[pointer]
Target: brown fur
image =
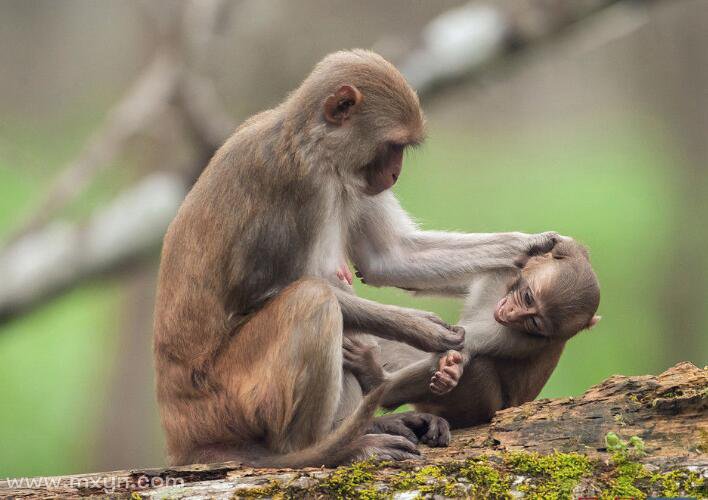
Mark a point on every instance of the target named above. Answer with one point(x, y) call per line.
point(247, 344)
point(249, 314)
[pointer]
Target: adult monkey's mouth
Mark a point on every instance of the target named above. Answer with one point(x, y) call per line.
point(385, 169)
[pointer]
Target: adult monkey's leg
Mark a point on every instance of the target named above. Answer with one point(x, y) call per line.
point(283, 368)
point(282, 376)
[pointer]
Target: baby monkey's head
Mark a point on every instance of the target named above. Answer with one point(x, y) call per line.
point(555, 296)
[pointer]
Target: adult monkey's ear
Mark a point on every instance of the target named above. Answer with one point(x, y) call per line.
point(339, 106)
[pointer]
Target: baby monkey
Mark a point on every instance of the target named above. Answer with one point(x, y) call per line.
point(517, 322)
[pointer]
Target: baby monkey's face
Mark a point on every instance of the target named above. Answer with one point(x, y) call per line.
point(555, 295)
point(522, 308)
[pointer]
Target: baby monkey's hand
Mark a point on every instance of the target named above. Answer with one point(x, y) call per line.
point(448, 375)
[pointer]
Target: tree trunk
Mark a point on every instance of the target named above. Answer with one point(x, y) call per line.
point(546, 447)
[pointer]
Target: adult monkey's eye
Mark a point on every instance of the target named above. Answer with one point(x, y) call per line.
point(528, 298)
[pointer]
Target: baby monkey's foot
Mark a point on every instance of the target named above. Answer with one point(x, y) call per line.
point(449, 372)
point(362, 360)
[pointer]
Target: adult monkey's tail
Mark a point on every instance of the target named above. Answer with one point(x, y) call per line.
point(348, 442)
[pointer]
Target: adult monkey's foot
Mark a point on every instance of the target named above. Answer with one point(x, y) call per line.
point(384, 447)
point(415, 426)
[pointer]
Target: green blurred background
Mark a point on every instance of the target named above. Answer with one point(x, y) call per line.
point(600, 135)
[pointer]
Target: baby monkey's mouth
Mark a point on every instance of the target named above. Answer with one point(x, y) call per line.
point(498, 316)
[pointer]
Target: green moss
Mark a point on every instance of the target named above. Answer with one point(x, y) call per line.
point(272, 489)
point(428, 480)
point(476, 477)
point(628, 475)
point(630, 478)
point(348, 482)
point(555, 475)
point(625, 476)
point(681, 482)
point(487, 481)
point(437, 480)
point(473, 477)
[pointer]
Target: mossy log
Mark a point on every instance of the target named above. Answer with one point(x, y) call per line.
point(556, 448)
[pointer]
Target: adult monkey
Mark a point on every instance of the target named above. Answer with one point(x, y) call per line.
point(249, 316)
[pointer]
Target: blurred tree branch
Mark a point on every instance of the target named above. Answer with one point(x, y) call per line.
point(168, 79)
point(462, 43)
point(143, 102)
point(45, 258)
point(60, 254)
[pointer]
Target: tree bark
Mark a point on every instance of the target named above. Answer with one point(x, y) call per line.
point(543, 446)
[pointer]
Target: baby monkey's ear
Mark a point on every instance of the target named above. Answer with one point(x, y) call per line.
point(593, 321)
point(523, 260)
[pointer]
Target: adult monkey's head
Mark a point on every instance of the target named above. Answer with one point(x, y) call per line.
point(556, 295)
point(364, 114)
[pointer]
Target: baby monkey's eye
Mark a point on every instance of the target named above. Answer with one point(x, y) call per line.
point(535, 324)
point(528, 298)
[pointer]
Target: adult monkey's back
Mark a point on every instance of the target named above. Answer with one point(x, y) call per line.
point(250, 314)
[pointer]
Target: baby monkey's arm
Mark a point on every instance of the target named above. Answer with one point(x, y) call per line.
point(434, 375)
